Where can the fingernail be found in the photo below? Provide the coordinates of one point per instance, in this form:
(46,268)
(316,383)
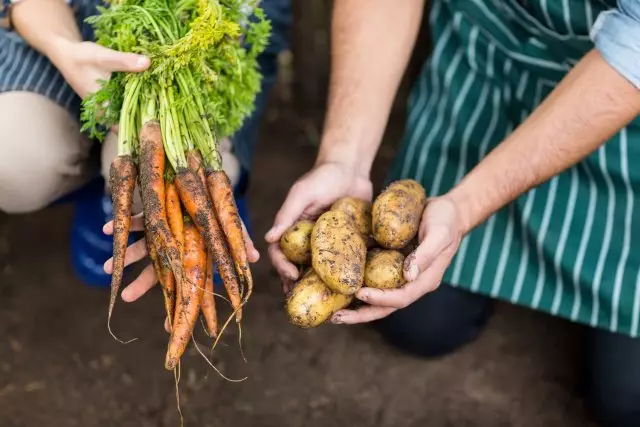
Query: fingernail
(412,274)
(125,295)
(141,61)
(270,234)
(337,319)
(363,295)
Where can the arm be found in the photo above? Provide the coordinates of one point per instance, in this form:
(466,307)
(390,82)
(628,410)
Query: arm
(371,46)
(594,101)
(49,26)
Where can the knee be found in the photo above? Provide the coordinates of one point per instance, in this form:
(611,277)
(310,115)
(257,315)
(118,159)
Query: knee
(428,329)
(616,409)
(39,162)
(28,184)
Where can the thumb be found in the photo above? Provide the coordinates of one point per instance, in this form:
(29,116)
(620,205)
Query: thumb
(113,60)
(435,241)
(292,209)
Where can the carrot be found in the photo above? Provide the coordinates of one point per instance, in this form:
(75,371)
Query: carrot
(221,193)
(166,279)
(174,215)
(208,301)
(122,180)
(190,297)
(196,164)
(152,164)
(197,204)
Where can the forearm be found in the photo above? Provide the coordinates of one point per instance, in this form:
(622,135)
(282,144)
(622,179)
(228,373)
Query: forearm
(589,106)
(371,46)
(47,25)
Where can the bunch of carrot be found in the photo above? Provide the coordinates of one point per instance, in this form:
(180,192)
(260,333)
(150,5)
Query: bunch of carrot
(199,88)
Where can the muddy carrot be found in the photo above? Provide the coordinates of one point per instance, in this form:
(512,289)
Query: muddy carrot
(208,301)
(165,277)
(197,204)
(190,297)
(221,193)
(174,214)
(122,181)
(152,188)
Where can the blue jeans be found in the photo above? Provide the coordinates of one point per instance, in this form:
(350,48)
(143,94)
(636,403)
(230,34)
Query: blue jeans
(449,318)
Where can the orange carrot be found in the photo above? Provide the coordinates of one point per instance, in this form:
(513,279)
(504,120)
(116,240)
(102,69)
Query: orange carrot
(152,164)
(166,279)
(221,193)
(208,300)
(122,180)
(174,214)
(197,204)
(190,297)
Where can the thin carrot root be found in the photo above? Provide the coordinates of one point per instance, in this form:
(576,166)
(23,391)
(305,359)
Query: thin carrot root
(208,301)
(152,188)
(174,215)
(197,204)
(190,299)
(221,192)
(122,181)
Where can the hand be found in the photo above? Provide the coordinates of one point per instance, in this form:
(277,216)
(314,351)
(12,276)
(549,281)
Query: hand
(138,250)
(310,196)
(440,233)
(84,64)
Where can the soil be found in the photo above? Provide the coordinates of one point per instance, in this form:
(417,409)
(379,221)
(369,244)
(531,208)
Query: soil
(59,367)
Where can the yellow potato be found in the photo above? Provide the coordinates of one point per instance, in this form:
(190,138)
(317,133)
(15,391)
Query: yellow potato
(397,212)
(359,210)
(311,302)
(384,269)
(338,252)
(295,243)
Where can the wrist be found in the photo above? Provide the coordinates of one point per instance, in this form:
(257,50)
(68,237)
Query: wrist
(465,208)
(347,153)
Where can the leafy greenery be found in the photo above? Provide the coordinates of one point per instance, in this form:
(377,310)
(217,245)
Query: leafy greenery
(203,77)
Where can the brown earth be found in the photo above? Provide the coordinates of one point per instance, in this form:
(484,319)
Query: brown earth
(59,367)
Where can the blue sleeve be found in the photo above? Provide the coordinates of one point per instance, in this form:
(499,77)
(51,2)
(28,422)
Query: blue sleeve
(616,35)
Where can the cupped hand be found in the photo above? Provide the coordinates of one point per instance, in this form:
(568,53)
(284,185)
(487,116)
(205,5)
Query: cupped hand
(138,250)
(310,196)
(440,233)
(85,64)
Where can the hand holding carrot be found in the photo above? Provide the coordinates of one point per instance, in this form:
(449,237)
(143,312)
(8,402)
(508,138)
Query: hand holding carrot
(138,250)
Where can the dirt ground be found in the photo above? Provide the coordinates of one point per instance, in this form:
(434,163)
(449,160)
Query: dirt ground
(59,367)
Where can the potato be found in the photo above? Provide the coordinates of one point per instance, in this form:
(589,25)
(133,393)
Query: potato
(384,269)
(338,252)
(296,242)
(397,212)
(311,302)
(360,211)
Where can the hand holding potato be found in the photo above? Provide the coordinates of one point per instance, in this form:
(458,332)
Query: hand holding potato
(439,233)
(309,197)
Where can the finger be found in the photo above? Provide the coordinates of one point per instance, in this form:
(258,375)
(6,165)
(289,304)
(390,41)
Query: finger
(137,224)
(145,281)
(287,285)
(252,252)
(119,61)
(166,325)
(361,315)
(427,281)
(292,208)
(134,253)
(435,241)
(281,263)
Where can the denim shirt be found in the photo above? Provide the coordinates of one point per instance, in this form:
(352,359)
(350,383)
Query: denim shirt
(616,35)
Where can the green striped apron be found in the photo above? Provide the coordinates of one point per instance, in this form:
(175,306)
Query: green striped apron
(570,247)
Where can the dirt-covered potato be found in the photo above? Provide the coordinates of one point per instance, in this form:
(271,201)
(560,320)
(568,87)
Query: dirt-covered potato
(360,211)
(296,242)
(384,269)
(311,302)
(397,212)
(338,252)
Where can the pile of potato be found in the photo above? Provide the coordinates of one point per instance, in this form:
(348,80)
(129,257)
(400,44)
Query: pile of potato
(354,244)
